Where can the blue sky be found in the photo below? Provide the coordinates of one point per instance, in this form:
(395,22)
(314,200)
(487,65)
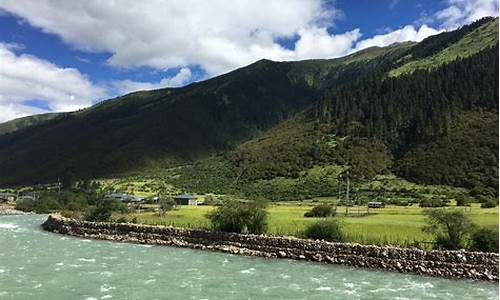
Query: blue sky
(57,55)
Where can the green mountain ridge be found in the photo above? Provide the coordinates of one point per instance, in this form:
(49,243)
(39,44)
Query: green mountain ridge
(280,119)
(463,44)
(20,123)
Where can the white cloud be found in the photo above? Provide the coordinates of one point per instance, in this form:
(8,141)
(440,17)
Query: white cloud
(14,110)
(217,35)
(127,86)
(318,43)
(407,33)
(25,77)
(461,12)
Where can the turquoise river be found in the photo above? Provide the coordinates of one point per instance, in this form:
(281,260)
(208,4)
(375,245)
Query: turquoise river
(40,265)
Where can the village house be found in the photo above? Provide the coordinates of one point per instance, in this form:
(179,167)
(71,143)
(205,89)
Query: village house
(123,197)
(186,199)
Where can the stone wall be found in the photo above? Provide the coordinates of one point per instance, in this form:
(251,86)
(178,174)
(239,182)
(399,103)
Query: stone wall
(451,264)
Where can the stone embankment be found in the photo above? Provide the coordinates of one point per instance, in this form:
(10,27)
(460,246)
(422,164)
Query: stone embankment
(11,211)
(450,264)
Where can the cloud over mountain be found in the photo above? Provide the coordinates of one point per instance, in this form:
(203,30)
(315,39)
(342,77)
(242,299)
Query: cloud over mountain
(215,36)
(25,77)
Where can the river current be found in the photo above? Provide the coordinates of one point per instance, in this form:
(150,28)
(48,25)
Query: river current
(35,264)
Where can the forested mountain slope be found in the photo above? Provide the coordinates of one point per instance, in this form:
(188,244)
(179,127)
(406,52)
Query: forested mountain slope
(280,119)
(433,125)
(168,127)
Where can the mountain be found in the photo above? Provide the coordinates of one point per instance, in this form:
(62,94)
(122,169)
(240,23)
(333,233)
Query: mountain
(376,111)
(171,126)
(20,123)
(379,122)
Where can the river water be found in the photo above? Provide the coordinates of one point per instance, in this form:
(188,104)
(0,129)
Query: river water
(35,264)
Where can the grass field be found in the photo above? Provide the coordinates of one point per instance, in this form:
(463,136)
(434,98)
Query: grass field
(392,225)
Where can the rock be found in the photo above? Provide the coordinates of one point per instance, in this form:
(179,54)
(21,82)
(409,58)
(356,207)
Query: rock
(398,265)
(282,254)
(318,257)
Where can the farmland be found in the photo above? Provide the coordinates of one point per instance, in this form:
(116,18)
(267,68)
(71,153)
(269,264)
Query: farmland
(392,225)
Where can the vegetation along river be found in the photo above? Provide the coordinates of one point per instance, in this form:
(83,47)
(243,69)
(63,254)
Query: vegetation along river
(40,265)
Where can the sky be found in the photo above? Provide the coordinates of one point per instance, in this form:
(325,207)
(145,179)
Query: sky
(59,55)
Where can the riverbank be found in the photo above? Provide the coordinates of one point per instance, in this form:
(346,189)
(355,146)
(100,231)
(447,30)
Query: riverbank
(393,225)
(449,264)
(8,211)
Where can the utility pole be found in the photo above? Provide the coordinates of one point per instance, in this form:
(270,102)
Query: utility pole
(347,195)
(338,198)
(58,185)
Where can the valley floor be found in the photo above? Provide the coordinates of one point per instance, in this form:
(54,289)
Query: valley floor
(392,225)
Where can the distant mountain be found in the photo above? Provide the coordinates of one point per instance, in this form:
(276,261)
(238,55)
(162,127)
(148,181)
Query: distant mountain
(374,111)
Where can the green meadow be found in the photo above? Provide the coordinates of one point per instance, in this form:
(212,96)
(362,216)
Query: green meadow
(393,225)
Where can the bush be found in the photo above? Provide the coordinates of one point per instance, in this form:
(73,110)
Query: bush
(462,200)
(45,203)
(166,204)
(236,216)
(489,203)
(485,240)
(102,212)
(329,230)
(321,211)
(432,202)
(257,221)
(479,191)
(24,205)
(451,227)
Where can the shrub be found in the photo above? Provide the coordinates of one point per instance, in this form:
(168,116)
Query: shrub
(24,205)
(166,204)
(450,227)
(102,212)
(329,230)
(479,191)
(236,216)
(462,200)
(485,240)
(432,202)
(210,200)
(257,221)
(489,203)
(44,204)
(321,211)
